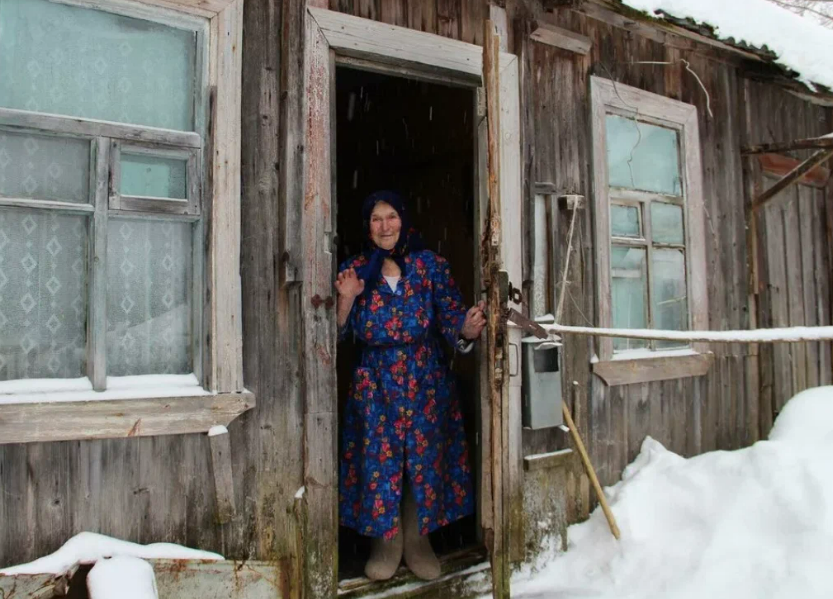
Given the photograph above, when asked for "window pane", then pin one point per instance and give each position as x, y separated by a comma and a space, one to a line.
642, 156
42, 167
669, 294
43, 294
624, 221
628, 293
667, 223
149, 272
89, 63
152, 176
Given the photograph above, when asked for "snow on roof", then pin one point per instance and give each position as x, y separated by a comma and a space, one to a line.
799, 43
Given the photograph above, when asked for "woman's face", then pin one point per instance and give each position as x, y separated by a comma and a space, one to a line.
385, 226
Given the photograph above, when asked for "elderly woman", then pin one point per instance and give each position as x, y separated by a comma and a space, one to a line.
403, 438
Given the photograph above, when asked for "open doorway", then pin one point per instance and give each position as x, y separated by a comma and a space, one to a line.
416, 138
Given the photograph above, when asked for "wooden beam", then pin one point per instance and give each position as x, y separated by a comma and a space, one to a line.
110, 419
802, 169
399, 46
560, 38
812, 143
779, 165
220, 442
645, 370
546, 461
81, 127
198, 8
224, 332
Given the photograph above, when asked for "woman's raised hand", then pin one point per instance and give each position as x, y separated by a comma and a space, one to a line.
475, 321
349, 285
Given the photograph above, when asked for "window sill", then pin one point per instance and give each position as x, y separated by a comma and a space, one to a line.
116, 418
627, 370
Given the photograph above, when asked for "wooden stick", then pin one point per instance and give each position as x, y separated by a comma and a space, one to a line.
590, 472
794, 175
812, 143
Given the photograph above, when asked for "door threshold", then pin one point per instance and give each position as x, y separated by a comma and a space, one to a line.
467, 569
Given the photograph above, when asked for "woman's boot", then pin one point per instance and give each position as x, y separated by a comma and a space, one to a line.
419, 556
385, 556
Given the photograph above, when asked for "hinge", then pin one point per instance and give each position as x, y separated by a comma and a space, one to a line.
481, 102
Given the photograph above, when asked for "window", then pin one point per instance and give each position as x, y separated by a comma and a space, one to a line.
648, 218
103, 130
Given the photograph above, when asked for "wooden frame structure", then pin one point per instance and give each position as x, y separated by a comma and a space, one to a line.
217, 321
608, 97
330, 39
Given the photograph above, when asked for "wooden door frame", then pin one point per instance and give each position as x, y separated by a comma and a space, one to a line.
330, 39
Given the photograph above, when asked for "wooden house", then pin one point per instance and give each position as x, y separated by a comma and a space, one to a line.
179, 178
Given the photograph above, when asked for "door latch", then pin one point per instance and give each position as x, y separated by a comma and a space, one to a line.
508, 292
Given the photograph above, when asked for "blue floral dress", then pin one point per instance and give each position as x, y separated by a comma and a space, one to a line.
402, 417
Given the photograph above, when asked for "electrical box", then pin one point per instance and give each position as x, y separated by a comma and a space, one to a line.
541, 366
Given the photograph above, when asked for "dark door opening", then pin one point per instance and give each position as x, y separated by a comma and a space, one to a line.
418, 139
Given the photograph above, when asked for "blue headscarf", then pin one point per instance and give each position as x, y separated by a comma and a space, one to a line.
409, 240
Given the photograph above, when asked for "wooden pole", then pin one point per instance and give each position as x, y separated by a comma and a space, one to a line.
611, 521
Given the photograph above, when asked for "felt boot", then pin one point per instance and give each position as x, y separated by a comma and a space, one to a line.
385, 556
419, 556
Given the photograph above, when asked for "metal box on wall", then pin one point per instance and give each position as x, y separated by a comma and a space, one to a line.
541, 365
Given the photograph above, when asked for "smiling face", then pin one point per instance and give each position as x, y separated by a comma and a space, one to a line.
385, 226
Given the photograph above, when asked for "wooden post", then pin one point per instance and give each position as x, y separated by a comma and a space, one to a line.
496, 539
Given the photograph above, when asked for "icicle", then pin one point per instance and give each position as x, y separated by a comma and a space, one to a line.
406, 127
356, 179
430, 113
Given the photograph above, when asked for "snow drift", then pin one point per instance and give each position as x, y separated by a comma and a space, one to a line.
752, 523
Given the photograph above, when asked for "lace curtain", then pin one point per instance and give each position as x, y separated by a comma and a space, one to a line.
43, 294
74, 61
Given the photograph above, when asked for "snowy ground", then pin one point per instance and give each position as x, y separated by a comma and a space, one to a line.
753, 523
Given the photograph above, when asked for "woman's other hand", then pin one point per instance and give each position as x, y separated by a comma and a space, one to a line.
475, 321
349, 285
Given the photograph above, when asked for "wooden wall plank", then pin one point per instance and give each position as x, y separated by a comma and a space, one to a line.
794, 290
394, 12
318, 329
448, 18
225, 330
808, 246
821, 271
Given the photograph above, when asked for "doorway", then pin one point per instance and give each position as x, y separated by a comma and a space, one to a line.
416, 138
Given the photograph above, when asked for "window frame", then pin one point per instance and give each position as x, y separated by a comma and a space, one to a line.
213, 154
642, 365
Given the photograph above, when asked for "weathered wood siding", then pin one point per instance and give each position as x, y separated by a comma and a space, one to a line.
161, 489
721, 410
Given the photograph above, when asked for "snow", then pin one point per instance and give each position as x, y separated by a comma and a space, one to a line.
787, 334
90, 547
118, 387
122, 577
742, 524
217, 430
45, 385
800, 43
